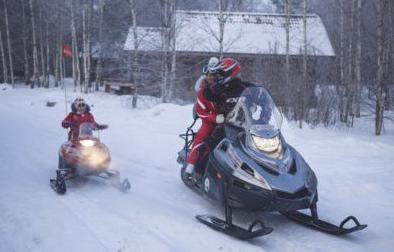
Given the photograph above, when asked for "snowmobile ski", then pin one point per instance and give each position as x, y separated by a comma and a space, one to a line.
227, 227
114, 175
58, 185
233, 230
125, 185
314, 222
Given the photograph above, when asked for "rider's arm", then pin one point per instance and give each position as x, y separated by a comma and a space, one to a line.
205, 109
98, 126
90, 118
68, 121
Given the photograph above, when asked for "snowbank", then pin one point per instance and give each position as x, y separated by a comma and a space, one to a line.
5, 87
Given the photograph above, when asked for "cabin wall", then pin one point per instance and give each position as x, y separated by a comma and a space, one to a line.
264, 70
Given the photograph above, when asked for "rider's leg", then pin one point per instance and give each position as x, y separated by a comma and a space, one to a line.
202, 134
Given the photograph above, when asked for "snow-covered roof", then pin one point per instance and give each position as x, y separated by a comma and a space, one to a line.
244, 33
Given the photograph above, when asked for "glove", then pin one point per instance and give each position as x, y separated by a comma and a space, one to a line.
66, 124
102, 126
220, 119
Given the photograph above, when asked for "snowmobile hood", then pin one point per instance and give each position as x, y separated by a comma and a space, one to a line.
296, 178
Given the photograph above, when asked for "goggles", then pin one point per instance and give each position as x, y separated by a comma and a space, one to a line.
80, 105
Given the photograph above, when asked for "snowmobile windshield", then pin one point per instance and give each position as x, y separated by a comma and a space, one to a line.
257, 113
86, 130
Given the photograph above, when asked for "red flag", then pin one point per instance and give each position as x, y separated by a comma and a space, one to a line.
67, 51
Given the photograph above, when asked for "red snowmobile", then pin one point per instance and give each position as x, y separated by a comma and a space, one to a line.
85, 155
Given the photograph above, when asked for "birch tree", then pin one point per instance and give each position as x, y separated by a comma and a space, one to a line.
358, 87
60, 46
379, 78
167, 13
3, 58
166, 47
47, 67
85, 48
173, 49
24, 39
7, 28
43, 68
391, 55
74, 44
35, 51
100, 47
342, 61
350, 66
134, 69
222, 6
304, 88
287, 86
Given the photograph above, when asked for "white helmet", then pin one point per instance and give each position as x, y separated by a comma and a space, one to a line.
211, 66
80, 105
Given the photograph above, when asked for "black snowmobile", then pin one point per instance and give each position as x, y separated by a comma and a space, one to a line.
85, 155
254, 168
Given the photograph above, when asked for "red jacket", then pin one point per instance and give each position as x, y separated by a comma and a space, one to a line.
74, 120
206, 110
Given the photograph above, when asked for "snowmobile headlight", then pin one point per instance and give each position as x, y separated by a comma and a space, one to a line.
87, 143
266, 144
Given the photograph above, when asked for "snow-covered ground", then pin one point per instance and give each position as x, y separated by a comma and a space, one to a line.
355, 171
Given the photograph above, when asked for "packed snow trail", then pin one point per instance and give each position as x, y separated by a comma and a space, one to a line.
354, 171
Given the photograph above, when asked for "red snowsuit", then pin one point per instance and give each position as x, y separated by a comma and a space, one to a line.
208, 112
74, 120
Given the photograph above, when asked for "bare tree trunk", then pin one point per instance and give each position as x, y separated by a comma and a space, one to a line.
24, 38
166, 48
350, 73
47, 67
173, 49
36, 79
3, 59
100, 57
75, 56
43, 68
358, 87
60, 48
56, 65
342, 100
8, 42
287, 87
85, 48
304, 68
222, 22
391, 55
379, 82
90, 30
134, 72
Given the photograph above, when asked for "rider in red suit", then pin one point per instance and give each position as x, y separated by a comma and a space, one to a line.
210, 117
80, 113
214, 101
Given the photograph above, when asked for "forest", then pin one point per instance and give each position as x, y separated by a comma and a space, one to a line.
42, 40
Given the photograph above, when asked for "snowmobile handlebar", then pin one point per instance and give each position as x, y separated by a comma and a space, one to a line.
102, 126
